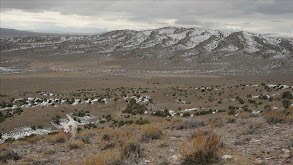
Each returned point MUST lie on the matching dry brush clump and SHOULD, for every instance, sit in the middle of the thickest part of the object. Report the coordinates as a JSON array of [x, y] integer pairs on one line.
[[191, 123], [106, 157], [6, 155], [34, 139], [57, 138], [119, 146], [202, 149], [150, 132], [216, 121], [75, 144], [275, 116]]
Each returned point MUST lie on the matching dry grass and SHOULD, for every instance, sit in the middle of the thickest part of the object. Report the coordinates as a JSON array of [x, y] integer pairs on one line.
[[5, 145], [202, 149], [190, 123], [244, 115], [107, 157], [150, 132], [58, 138], [34, 139], [257, 124], [111, 138], [118, 145], [130, 151], [75, 144], [279, 116], [86, 135]]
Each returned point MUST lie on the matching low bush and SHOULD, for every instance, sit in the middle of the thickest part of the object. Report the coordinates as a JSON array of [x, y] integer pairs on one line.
[[9, 155], [216, 121], [231, 120], [191, 123], [142, 121], [202, 149], [203, 112], [164, 113], [287, 95], [231, 112], [186, 114], [75, 144], [57, 138], [150, 132], [134, 108], [286, 103], [285, 116]]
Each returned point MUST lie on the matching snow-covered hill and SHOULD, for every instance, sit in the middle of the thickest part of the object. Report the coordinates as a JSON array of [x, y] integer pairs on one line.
[[199, 49]]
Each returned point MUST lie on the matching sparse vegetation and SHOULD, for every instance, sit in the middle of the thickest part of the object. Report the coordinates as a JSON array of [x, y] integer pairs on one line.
[[75, 144], [164, 113], [150, 132], [191, 123], [202, 149], [134, 108]]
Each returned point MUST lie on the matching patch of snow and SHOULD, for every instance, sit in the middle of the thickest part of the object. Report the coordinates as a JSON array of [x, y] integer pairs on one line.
[[211, 46], [23, 132], [256, 112], [251, 43], [188, 110], [4, 70], [172, 113], [229, 48]]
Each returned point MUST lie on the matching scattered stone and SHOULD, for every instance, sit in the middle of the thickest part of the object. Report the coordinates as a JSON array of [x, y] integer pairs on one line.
[[258, 162], [174, 157], [172, 150], [9, 155], [286, 155], [227, 157], [285, 150], [271, 151], [148, 161]]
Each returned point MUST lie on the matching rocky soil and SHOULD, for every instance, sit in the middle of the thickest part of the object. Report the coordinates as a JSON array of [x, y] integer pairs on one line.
[[247, 139]]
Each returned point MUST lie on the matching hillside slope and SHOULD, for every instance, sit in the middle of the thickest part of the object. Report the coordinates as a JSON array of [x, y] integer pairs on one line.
[[172, 49]]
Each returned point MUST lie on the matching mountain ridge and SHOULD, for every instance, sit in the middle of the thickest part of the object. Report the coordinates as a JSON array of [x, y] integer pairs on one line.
[[169, 48]]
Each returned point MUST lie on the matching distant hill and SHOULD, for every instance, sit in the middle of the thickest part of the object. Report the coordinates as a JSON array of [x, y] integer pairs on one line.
[[181, 50], [4, 32]]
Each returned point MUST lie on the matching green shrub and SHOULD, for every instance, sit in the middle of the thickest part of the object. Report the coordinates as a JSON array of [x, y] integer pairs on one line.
[[18, 111], [231, 112], [142, 121], [204, 112], [40, 127], [186, 114], [287, 95], [134, 108], [164, 113], [109, 117], [286, 103], [191, 123]]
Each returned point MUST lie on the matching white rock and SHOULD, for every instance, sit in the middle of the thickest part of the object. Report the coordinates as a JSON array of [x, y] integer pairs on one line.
[[227, 157], [285, 150]]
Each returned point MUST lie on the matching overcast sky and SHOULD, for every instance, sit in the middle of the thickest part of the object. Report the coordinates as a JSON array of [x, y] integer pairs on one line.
[[273, 17]]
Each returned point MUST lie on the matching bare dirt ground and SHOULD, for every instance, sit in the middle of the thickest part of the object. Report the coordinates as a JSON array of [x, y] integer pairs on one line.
[[250, 139]]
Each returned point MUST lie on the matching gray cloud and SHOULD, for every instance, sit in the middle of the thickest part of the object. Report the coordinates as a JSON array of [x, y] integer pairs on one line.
[[251, 14]]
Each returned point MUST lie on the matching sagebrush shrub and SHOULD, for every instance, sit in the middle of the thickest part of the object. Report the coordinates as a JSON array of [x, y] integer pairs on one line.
[[191, 123], [202, 149]]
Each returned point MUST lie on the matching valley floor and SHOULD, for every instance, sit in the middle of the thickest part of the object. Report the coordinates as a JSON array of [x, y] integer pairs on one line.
[[146, 118]]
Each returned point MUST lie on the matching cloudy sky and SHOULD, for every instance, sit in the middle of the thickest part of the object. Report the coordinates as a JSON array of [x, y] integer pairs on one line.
[[270, 17]]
